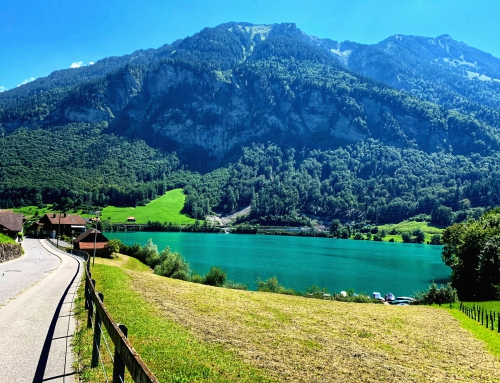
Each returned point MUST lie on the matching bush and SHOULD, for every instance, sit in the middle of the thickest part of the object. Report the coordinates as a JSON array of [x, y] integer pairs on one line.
[[316, 292], [358, 236], [272, 286], [172, 265], [215, 277], [437, 295]]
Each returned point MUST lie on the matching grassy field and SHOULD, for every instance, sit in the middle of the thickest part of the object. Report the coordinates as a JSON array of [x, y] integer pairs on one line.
[[406, 226], [166, 208], [194, 333]]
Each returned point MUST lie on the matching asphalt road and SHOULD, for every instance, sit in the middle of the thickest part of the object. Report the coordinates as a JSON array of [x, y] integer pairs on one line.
[[19, 274], [36, 316]]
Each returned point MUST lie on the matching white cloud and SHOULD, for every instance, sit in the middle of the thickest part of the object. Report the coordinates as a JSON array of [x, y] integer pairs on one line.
[[2, 88], [91, 63], [77, 64], [25, 81]]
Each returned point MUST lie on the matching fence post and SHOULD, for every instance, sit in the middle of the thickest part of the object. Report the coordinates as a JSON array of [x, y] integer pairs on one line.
[[91, 308], [119, 366], [97, 337], [87, 290]]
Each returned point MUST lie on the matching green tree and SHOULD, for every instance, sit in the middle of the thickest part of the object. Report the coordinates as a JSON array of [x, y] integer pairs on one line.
[[470, 249]]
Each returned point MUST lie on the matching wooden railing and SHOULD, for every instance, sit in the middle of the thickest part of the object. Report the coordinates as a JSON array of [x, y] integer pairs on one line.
[[124, 355]]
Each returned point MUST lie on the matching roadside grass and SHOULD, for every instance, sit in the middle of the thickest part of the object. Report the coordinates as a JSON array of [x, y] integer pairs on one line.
[[6, 239], [171, 352], [191, 332], [490, 337], [406, 226], [166, 208]]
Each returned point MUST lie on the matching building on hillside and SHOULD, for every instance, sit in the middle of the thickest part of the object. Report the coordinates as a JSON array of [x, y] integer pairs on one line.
[[86, 242], [63, 224], [11, 224]]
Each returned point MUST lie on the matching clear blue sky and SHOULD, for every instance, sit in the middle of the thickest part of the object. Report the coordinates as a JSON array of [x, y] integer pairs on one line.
[[38, 37]]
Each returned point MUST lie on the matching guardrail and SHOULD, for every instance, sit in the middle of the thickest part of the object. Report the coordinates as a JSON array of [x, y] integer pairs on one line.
[[124, 355]]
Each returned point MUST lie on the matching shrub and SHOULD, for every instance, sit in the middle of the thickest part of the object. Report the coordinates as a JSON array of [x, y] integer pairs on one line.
[[215, 277], [437, 295], [172, 265], [316, 292], [272, 286], [358, 236]]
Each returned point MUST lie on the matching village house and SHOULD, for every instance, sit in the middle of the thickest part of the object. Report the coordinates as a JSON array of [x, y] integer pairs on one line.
[[87, 240], [11, 224], [63, 224]]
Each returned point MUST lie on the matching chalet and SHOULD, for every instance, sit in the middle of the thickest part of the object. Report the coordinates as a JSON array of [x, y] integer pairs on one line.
[[86, 241], [11, 224], [131, 219], [64, 224]]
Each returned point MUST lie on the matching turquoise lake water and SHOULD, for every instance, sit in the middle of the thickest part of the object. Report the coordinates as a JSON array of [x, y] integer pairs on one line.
[[299, 262]]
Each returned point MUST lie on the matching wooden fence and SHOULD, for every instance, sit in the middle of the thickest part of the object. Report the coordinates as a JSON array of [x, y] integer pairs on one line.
[[488, 318], [124, 355]]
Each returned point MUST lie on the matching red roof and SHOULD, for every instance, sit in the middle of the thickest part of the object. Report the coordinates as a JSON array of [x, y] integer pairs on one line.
[[65, 219]]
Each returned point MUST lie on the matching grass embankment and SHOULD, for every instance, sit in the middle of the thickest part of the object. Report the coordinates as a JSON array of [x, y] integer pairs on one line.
[[410, 226], [191, 332], [166, 208], [6, 239]]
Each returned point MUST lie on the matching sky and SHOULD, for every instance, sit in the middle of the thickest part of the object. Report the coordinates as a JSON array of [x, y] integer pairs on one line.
[[39, 37]]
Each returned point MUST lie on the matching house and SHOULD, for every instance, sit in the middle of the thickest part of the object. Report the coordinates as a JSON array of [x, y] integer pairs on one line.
[[130, 219], [86, 241], [11, 224], [63, 224]]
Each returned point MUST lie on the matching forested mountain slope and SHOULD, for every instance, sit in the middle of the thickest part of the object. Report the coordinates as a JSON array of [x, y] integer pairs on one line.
[[346, 130]]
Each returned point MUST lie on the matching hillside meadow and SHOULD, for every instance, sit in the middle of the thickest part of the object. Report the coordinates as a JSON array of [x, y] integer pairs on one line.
[[166, 208], [189, 332]]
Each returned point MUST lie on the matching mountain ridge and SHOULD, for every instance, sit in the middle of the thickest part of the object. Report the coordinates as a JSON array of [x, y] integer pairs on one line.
[[298, 102]]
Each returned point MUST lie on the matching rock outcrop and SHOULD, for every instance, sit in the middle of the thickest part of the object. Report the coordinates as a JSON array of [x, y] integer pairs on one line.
[[9, 251]]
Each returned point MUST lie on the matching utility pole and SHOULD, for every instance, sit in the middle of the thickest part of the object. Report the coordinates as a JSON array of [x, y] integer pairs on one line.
[[59, 228], [97, 212]]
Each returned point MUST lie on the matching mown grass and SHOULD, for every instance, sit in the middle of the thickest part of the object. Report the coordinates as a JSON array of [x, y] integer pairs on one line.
[[490, 337], [410, 226], [166, 208], [196, 333], [6, 239], [171, 352]]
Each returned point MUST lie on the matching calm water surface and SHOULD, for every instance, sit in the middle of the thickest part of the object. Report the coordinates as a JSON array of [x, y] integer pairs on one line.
[[299, 262]]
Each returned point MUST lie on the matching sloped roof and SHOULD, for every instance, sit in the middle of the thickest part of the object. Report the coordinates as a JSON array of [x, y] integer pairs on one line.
[[89, 236], [66, 219], [11, 221]]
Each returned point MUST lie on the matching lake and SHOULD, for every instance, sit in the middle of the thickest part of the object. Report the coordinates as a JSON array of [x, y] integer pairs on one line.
[[299, 262]]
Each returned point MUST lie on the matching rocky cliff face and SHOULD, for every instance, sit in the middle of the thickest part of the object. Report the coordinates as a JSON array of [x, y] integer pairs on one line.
[[236, 83], [9, 251]]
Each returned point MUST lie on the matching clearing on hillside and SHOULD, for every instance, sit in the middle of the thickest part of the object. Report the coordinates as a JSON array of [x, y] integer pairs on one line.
[[166, 208], [295, 339]]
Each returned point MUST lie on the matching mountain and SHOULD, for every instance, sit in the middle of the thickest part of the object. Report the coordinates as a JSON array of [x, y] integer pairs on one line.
[[372, 130]]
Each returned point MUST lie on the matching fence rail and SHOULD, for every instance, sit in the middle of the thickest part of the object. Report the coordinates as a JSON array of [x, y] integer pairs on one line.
[[488, 318], [125, 355]]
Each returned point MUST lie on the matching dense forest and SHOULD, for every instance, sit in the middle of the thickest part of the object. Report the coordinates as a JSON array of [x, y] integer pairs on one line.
[[267, 117]]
